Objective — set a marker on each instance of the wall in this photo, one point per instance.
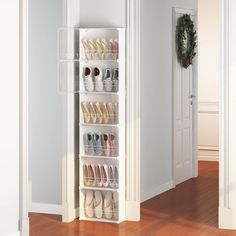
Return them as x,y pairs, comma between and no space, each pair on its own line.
156,94
208,40
9,118
45,105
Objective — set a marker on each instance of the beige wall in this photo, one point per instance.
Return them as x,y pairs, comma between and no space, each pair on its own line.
208,46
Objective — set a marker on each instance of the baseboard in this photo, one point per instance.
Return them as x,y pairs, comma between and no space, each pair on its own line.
25,227
147,194
132,211
46,208
208,155
227,219
16,234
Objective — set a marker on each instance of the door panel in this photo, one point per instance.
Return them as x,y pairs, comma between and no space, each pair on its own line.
182,115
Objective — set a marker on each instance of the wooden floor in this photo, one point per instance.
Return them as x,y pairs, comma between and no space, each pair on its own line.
188,210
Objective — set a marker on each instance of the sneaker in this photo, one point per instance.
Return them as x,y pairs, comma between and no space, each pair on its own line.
113,145
106,144
88,79
88,144
115,80
97,142
108,80
98,79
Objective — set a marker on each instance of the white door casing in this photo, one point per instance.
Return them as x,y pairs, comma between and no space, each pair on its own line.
184,97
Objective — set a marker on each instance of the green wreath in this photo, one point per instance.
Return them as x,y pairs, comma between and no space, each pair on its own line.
185,41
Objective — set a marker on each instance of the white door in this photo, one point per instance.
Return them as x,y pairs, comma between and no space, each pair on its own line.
182,113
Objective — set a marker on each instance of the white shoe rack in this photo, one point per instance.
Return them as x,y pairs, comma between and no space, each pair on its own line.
102,117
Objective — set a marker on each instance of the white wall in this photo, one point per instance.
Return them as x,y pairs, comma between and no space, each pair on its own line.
156,94
9,118
208,55
45,105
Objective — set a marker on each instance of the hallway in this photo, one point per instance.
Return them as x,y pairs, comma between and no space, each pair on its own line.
190,209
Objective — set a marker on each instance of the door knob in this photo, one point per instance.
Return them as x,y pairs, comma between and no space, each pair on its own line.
192,96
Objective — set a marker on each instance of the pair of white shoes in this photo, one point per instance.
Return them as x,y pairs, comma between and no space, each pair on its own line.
100,175
101,49
97,79
100,112
99,205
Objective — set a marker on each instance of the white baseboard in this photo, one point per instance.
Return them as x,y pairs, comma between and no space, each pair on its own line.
45,208
227,219
208,155
147,194
132,211
15,234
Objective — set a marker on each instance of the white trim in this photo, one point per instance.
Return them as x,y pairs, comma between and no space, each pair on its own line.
208,155
208,107
227,206
154,191
45,208
133,110
16,234
24,219
69,212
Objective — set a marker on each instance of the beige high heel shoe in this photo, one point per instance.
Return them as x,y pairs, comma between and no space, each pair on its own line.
92,113
105,113
86,112
92,175
86,175
98,110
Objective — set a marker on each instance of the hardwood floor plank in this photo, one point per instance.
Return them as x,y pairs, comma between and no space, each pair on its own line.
191,209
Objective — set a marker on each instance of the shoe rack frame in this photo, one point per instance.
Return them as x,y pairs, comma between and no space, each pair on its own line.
70,81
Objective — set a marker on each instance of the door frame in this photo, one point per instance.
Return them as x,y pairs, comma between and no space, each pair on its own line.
176,10
23,101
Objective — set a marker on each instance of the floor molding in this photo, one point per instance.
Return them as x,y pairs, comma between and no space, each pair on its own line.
45,208
208,155
152,192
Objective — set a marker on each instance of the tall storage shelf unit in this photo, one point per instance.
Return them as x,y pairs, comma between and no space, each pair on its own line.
92,64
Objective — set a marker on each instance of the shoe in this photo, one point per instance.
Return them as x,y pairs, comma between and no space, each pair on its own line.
114,48
87,49
88,144
98,110
88,79
116,175
86,112
86,175
98,79
99,48
108,80
98,173
111,176
105,176
108,204
92,113
113,145
116,112
98,204
93,49
89,203
106,49
105,113
92,176
115,208
106,144
115,80
111,107
97,142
